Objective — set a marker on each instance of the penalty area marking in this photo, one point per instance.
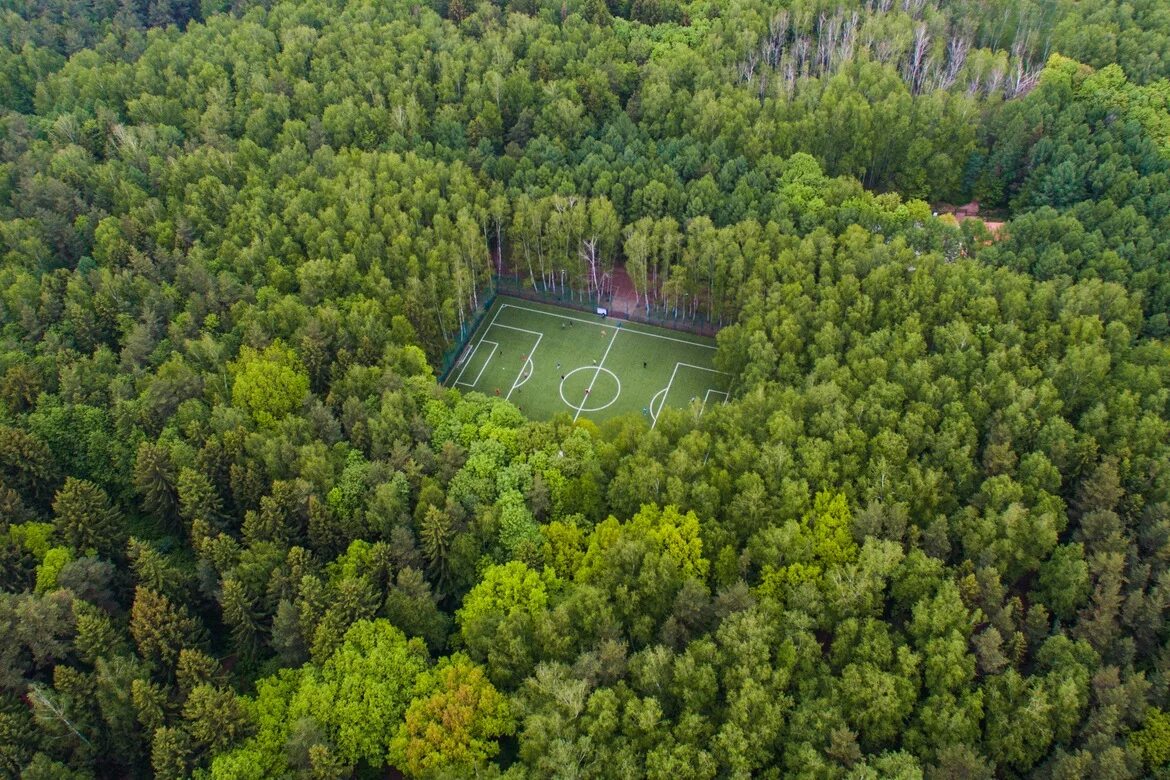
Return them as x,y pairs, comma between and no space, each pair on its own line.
723,393
702,368
583,407
467,362
666,391
465,355
482,338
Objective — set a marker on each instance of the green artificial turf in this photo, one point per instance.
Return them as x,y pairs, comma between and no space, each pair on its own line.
544,358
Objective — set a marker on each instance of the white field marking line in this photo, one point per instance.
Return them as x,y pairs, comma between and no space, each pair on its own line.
701,368
465,355
491,355
481,339
660,393
522,330
723,393
531,352
583,407
528,363
667,395
468,361
612,319
597,373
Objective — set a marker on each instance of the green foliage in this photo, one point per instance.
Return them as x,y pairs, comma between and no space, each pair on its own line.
36,631
666,531
55,559
262,755
362,690
501,617
1106,145
37,538
518,529
155,479
454,722
926,536
161,629
268,385
354,703
825,539
1064,580
86,521
82,440
214,717
1153,740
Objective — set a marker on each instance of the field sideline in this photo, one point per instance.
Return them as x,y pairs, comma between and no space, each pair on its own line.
547,359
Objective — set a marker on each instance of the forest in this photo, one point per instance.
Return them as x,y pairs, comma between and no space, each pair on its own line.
246,533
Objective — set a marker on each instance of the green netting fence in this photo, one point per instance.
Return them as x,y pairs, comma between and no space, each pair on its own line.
451,356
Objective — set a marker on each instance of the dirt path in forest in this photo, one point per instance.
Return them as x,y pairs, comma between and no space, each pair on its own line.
624,297
969,211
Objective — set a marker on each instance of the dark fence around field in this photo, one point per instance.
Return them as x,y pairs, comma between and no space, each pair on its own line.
449,358
509,285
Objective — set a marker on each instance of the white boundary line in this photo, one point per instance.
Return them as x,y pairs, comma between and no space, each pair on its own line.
723,393
495,346
527,362
702,368
467,362
596,373
522,330
612,319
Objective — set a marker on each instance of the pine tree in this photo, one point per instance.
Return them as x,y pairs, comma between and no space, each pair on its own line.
435,538
215,717
25,464
240,613
155,479
85,520
196,668
170,754
161,629
198,498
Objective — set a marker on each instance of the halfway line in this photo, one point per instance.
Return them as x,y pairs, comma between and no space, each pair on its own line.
596,373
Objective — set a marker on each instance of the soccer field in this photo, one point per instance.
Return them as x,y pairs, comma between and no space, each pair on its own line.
548,359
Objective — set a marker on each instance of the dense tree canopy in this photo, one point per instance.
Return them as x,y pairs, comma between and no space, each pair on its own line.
244,532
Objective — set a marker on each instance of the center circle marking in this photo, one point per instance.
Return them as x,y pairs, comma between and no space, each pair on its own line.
582,407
